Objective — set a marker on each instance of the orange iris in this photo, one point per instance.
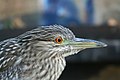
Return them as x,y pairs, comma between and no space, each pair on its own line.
59,40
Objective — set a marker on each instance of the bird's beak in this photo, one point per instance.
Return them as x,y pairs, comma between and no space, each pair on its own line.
86,43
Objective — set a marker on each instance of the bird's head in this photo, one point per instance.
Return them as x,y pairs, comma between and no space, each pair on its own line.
60,40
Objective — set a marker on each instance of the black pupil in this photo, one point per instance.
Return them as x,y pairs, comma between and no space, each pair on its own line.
59,40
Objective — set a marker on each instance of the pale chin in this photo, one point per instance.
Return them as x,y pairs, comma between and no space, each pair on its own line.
72,52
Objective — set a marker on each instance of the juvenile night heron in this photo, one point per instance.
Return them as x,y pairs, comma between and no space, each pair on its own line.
40,54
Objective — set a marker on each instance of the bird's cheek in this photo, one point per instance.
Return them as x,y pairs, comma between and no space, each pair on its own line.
70,50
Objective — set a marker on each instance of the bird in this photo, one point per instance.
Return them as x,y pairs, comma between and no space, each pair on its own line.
39,54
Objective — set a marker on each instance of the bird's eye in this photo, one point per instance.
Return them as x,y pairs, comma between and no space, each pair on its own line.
59,40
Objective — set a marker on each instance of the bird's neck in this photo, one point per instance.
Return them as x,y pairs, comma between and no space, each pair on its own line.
43,66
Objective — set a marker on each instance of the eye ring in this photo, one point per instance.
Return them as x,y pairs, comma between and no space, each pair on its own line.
59,40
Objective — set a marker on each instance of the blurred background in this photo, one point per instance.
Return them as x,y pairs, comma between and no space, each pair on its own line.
93,19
